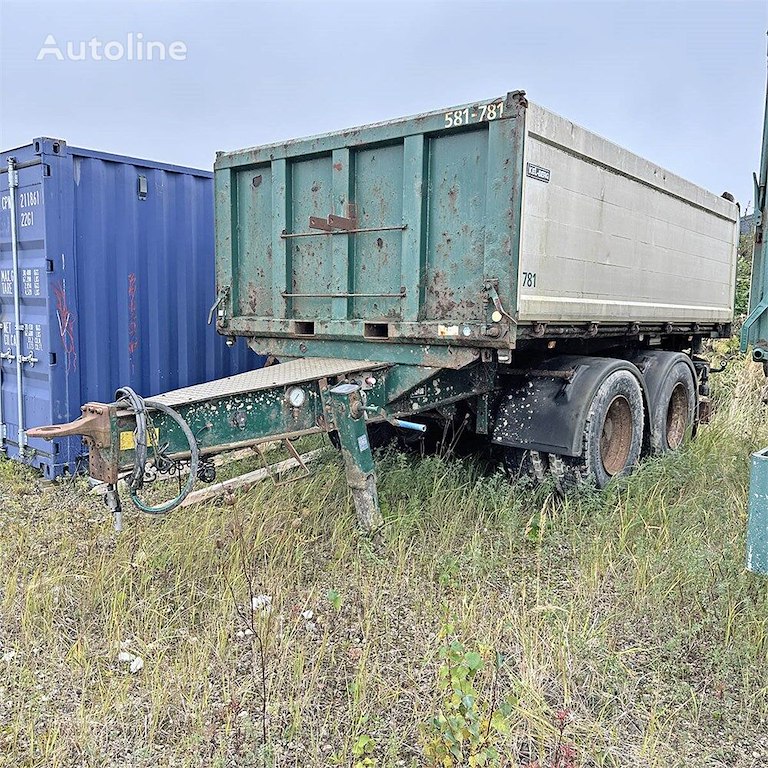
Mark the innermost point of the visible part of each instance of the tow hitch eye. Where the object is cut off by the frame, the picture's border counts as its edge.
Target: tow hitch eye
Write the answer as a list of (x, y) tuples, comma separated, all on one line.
[(94, 424)]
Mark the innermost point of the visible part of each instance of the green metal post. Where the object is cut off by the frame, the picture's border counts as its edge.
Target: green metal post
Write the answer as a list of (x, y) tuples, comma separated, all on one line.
[(757, 525), (348, 412)]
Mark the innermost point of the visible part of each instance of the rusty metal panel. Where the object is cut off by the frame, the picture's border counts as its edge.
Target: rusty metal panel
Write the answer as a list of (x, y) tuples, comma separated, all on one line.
[(255, 275), (116, 278), (458, 171), (311, 265), (384, 235), (378, 176)]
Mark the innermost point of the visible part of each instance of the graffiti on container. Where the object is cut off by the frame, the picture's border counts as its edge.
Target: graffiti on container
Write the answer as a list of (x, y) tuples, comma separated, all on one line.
[(66, 326), (133, 324)]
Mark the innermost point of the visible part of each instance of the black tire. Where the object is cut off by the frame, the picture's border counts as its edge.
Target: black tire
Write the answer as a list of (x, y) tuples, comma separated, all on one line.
[(674, 412), (521, 464), (613, 432)]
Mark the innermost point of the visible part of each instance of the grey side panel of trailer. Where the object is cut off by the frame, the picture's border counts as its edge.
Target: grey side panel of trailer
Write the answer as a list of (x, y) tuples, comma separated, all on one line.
[(611, 237)]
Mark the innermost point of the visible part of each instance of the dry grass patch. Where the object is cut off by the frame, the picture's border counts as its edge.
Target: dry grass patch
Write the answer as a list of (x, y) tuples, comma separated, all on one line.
[(620, 624)]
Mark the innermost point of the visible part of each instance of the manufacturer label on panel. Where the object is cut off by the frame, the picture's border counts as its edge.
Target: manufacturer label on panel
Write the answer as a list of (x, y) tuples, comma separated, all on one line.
[(537, 172)]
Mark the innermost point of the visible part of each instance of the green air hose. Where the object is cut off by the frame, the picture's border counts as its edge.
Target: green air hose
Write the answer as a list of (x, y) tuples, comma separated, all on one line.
[(126, 396)]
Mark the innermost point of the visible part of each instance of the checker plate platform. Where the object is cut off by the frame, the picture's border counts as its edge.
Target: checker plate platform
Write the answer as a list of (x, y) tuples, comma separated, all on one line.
[(282, 374)]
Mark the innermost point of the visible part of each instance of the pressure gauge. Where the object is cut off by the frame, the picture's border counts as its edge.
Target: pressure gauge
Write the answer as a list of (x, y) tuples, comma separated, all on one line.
[(296, 396)]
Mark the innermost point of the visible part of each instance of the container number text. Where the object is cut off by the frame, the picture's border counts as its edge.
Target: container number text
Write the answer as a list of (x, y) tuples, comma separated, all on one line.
[(457, 117), (529, 279)]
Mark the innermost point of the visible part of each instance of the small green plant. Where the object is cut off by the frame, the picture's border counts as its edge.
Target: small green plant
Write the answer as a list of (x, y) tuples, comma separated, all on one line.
[(468, 729), (448, 572), (334, 598), (363, 750)]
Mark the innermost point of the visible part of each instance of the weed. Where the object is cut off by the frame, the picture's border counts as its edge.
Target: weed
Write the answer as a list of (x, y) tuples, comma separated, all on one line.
[(467, 729), (363, 751)]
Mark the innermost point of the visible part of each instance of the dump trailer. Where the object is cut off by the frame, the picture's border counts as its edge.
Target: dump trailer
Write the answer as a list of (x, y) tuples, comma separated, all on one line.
[(754, 335), (491, 269)]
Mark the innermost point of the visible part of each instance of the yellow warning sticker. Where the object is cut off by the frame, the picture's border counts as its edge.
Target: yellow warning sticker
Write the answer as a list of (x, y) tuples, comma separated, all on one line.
[(128, 439)]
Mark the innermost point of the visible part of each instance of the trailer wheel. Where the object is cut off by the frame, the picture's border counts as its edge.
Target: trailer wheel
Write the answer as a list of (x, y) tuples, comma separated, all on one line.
[(522, 464), (613, 433), (675, 410)]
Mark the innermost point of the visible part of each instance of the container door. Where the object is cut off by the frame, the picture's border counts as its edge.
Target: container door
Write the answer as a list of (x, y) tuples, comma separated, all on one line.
[(37, 346)]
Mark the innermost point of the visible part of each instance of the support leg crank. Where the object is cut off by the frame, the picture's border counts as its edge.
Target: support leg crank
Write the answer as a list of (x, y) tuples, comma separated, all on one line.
[(349, 418)]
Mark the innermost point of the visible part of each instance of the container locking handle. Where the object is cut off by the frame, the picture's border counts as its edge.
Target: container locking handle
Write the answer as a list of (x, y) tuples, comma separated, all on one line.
[(223, 295)]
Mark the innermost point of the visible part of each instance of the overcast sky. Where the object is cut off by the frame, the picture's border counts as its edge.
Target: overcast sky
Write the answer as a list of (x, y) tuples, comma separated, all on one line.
[(681, 83)]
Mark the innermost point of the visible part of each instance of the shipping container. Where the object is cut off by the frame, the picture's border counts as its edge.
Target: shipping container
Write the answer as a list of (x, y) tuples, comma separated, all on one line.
[(418, 230), (106, 279)]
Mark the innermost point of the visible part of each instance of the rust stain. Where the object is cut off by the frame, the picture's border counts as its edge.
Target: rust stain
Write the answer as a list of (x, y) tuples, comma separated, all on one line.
[(337, 166), (259, 296), (446, 305), (453, 194)]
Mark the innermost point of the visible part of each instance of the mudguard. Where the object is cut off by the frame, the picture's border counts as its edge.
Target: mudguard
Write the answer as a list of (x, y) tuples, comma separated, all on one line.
[(546, 409)]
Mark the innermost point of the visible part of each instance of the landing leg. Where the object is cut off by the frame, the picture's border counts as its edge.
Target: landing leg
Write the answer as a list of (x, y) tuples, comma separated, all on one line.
[(112, 500), (349, 419)]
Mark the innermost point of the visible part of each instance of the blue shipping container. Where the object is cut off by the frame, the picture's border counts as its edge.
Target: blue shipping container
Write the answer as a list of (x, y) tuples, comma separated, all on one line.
[(115, 280)]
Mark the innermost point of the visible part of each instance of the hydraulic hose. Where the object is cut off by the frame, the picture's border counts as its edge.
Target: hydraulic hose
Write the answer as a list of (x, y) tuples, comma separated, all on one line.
[(139, 406), (127, 397)]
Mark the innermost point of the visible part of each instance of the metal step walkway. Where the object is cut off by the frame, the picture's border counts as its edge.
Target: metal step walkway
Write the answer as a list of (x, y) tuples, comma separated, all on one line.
[(282, 374)]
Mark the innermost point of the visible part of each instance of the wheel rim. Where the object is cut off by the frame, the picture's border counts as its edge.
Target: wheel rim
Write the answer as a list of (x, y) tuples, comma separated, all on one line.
[(616, 437), (677, 416)]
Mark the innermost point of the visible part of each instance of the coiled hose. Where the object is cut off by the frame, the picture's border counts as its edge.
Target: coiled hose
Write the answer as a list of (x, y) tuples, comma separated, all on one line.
[(127, 397)]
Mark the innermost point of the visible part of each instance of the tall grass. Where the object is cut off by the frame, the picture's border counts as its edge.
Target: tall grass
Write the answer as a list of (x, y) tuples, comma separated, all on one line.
[(629, 609)]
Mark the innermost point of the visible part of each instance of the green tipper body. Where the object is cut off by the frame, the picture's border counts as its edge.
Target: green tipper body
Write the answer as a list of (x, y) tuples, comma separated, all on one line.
[(434, 239), (398, 235), (754, 332)]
